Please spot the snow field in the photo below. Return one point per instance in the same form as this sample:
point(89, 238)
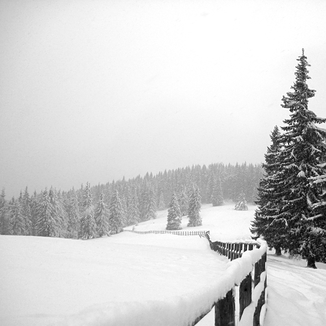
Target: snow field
point(125, 279)
point(135, 279)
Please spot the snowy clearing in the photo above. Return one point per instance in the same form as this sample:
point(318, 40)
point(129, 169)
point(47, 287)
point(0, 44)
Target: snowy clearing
point(152, 279)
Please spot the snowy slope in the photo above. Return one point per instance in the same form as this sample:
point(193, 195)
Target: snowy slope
point(46, 279)
point(136, 279)
point(296, 295)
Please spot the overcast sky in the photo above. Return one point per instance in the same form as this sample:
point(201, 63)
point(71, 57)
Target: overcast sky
point(97, 90)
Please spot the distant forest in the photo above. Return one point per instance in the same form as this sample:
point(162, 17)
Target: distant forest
point(106, 208)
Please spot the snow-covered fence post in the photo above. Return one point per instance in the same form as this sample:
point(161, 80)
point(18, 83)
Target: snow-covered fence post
point(245, 293)
point(225, 310)
point(259, 269)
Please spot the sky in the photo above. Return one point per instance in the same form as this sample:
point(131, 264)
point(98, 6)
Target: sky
point(91, 91)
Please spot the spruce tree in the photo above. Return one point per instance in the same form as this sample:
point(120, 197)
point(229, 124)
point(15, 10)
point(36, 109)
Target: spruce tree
point(174, 214)
point(265, 224)
point(5, 227)
point(194, 207)
point(183, 202)
point(302, 172)
point(47, 224)
point(133, 214)
point(102, 217)
point(87, 222)
point(17, 220)
point(73, 215)
point(116, 213)
point(217, 193)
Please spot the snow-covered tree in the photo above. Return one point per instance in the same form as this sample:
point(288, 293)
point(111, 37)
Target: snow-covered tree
point(183, 202)
point(17, 220)
point(47, 224)
point(302, 172)
point(174, 214)
point(116, 213)
point(87, 222)
point(148, 204)
point(241, 205)
point(73, 215)
point(26, 212)
point(217, 193)
point(194, 207)
point(102, 217)
point(5, 227)
point(133, 214)
point(265, 224)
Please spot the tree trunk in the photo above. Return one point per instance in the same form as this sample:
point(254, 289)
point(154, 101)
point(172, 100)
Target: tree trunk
point(311, 262)
point(278, 251)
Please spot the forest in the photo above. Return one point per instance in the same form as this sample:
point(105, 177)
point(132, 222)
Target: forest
point(105, 209)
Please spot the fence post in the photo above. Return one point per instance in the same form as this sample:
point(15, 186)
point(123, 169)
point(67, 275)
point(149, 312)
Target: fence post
point(225, 310)
point(245, 292)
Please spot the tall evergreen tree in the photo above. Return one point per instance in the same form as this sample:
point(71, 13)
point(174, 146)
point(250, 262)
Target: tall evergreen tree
point(87, 222)
point(217, 193)
point(183, 202)
point(301, 172)
point(102, 217)
point(174, 214)
point(73, 215)
point(26, 212)
point(5, 227)
point(266, 223)
point(47, 224)
point(194, 207)
point(116, 213)
point(133, 214)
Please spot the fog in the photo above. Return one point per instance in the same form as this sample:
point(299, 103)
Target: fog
point(91, 91)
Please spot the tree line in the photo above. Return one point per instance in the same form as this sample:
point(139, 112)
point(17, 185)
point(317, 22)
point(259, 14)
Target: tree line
point(291, 213)
point(104, 209)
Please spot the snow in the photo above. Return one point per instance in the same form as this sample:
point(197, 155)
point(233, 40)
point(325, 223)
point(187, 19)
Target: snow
point(296, 294)
point(149, 279)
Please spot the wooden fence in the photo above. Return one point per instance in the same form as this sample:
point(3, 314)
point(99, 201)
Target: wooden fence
point(201, 233)
point(244, 303)
point(251, 292)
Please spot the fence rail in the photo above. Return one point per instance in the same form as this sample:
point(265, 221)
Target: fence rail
point(202, 233)
point(250, 293)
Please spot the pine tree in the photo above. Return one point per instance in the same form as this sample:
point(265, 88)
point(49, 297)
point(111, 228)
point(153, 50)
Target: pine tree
point(241, 205)
point(5, 227)
point(194, 208)
point(217, 194)
point(133, 214)
point(301, 172)
point(148, 204)
point(102, 217)
point(174, 214)
point(183, 202)
point(17, 220)
point(116, 213)
point(73, 215)
point(26, 212)
point(47, 224)
point(87, 222)
point(265, 224)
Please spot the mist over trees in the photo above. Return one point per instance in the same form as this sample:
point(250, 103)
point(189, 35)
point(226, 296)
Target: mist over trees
point(291, 212)
point(103, 209)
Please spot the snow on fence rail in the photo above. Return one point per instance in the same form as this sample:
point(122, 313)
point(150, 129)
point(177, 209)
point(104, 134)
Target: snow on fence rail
point(245, 302)
point(184, 233)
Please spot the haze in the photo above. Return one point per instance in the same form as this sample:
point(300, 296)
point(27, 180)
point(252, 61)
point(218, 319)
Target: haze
point(91, 91)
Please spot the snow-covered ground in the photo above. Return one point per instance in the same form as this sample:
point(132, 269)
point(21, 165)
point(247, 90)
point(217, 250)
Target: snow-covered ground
point(138, 279)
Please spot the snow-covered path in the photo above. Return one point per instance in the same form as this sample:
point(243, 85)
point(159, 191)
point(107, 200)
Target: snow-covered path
point(296, 294)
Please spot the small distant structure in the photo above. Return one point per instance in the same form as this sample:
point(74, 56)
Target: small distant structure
point(241, 205)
